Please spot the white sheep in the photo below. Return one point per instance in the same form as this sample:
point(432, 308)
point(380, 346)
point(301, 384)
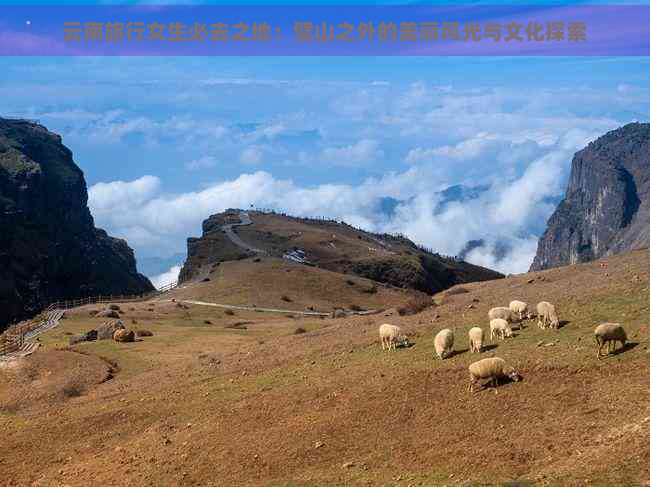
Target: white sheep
point(608, 334)
point(520, 308)
point(500, 328)
point(493, 368)
point(547, 316)
point(444, 343)
point(501, 312)
point(475, 339)
point(390, 336)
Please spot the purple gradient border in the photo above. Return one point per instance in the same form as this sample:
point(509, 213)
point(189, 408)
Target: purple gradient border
point(612, 30)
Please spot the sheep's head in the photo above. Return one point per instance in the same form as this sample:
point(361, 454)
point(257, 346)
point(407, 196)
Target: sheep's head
point(530, 315)
point(403, 340)
point(511, 373)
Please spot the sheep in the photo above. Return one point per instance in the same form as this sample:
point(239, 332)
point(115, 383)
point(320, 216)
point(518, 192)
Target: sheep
point(501, 312)
point(443, 343)
point(546, 315)
point(475, 339)
point(493, 368)
point(390, 335)
point(500, 328)
point(520, 308)
point(608, 334)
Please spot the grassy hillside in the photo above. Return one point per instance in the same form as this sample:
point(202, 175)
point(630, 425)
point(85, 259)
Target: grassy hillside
point(334, 246)
point(244, 400)
point(278, 283)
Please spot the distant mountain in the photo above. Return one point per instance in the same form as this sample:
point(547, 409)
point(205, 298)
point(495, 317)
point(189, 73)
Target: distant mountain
point(458, 193)
point(606, 209)
point(154, 266)
point(49, 247)
point(330, 245)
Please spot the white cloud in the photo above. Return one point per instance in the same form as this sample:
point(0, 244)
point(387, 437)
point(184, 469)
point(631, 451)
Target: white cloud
point(251, 155)
point(166, 277)
point(105, 196)
point(358, 154)
point(205, 162)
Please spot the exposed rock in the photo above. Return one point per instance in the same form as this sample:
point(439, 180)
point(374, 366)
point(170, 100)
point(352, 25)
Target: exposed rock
point(124, 336)
point(49, 247)
point(108, 313)
point(606, 209)
point(107, 330)
point(339, 313)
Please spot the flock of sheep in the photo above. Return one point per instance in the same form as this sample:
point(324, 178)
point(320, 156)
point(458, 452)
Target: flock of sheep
point(493, 369)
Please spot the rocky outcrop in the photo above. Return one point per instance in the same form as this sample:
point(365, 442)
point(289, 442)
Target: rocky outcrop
point(49, 247)
point(606, 209)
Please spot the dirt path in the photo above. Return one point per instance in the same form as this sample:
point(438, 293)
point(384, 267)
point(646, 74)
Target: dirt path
point(251, 308)
point(245, 219)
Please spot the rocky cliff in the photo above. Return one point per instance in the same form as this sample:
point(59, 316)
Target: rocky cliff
point(49, 246)
point(606, 209)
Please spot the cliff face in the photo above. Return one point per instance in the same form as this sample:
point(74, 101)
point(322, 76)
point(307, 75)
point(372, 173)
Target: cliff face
point(606, 209)
point(49, 246)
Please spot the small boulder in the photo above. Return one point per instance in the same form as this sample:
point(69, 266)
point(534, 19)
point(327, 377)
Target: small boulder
point(338, 313)
point(143, 333)
point(124, 336)
point(108, 313)
point(107, 330)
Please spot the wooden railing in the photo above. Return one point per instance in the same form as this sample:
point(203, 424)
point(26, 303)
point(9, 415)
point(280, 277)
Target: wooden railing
point(14, 337)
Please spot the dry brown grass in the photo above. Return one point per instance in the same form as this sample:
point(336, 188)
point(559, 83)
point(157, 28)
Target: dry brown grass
point(415, 305)
point(175, 414)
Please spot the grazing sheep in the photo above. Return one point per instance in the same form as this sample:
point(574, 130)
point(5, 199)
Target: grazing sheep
point(500, 328)
point(520, 308)
point(608, 334)
point(503, 313)
point(475, 339)
point(444, 343)
point(493, 368)
point(546, 315)
point(390, 335)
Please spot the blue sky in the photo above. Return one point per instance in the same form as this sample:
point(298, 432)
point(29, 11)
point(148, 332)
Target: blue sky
point(164, 142)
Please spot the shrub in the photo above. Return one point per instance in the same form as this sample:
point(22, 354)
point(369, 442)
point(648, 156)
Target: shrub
point(143, 333)
point(356, 307)
point(371, 290)
point(229, 312)
point(350, 282)
point(285, 298)
point(207, 322)
point(299, 330)
point(415, 305)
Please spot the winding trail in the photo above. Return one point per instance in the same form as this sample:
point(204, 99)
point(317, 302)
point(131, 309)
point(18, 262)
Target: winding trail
point(255, 308)
point(29, 346)
point(244, 219)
